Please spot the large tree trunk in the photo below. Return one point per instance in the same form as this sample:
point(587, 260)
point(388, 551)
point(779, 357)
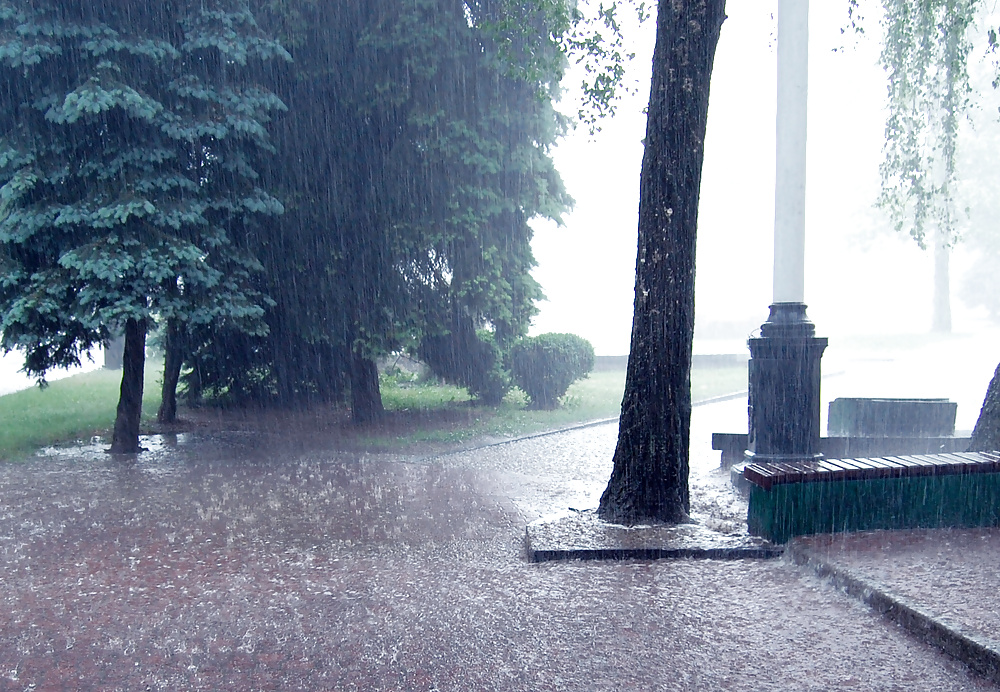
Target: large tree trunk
point(366, 398)
point(650, 477)
point(986, 435)
point(172, 360)
point(126, 432)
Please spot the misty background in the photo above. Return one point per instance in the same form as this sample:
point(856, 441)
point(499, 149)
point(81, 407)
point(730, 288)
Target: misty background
point(868, 287)
point(587, 267)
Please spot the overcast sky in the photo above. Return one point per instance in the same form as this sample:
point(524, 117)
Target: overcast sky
point(861, 277)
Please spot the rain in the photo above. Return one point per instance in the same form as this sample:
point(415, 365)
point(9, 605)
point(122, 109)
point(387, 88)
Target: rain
point(359, 210)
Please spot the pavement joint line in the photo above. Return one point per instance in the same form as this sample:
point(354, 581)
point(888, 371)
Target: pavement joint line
point(981, 654)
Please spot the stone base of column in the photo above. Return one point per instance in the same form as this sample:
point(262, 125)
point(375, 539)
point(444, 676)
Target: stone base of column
point(784, 373)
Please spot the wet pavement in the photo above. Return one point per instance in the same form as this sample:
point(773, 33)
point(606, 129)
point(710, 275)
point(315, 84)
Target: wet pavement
point(255, 561)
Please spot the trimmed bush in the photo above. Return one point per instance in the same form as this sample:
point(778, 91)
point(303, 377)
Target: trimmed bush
point(545, 366)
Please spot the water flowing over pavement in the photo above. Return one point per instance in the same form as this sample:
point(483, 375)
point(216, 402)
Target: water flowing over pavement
point(254, 562)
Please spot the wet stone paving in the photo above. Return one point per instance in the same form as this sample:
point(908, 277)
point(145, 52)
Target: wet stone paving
point(242, 562)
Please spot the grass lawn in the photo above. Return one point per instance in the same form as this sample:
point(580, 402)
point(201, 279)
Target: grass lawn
point(599, 396)
point(82, 407)
point(75, 408)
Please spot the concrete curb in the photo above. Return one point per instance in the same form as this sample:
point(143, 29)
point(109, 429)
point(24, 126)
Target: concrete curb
point(582, 535)
point(561, 555)
point(722, 397)
point(982, 654)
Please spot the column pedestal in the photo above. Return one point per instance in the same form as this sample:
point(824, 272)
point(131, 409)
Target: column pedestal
point(784, 372)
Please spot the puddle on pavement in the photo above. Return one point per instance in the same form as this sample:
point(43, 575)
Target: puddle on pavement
point(259, 486)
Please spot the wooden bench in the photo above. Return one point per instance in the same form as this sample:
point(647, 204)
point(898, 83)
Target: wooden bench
point(893, 492)
point(733, 446)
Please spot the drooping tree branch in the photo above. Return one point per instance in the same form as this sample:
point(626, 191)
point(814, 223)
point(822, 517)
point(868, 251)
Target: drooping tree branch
point(925, 52)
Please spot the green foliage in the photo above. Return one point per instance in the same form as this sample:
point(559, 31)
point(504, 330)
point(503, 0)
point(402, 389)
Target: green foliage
point(925, 54)
point(470, 358)
point(603, 56)
point(545, 366)
point(130, 138)
point(414, 155)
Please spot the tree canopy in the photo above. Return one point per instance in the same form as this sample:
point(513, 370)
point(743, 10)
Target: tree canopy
point(414, 154)
point(130, 137)
point(146, 181)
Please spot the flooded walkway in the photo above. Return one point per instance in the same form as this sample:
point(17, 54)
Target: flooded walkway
point(241, 562)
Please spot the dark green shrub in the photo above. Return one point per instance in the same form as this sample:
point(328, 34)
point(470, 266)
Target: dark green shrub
point(468, 358)
point(545, 366)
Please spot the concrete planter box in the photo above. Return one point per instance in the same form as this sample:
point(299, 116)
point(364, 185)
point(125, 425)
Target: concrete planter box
point(891, 418)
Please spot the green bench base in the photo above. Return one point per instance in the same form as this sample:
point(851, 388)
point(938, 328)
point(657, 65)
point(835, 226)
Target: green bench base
point(928, 497)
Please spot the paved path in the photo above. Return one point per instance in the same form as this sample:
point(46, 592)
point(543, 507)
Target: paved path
point(242, 562)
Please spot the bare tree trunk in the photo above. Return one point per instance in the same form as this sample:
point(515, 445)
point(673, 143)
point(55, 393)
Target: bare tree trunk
point(986, 435)
point(366, 398)
point(172, 360)
point(941, 317)
point(126, 432)
point(650, 476)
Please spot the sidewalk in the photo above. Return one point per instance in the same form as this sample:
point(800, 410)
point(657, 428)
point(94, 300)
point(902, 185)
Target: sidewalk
point(941, 585)
point(253, 562)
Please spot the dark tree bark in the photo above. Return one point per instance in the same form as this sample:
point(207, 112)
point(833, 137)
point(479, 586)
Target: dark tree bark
point(172, 360)
point(650, 477)
point(366, 398)
point(126, 432)
point(986, 435)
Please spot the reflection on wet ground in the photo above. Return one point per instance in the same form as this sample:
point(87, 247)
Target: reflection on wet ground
point(239, 561)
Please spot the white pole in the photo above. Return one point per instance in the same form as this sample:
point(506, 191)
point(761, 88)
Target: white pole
point(790, 173)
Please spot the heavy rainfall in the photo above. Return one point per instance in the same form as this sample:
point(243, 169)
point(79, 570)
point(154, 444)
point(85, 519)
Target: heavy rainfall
point(326, 331)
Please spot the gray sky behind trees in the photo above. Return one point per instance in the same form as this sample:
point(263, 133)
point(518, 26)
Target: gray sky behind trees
point(856, 265)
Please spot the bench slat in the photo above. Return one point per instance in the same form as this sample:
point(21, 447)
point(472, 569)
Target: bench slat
point(848, 471)
point(984, 461)
point(879, 468)
point(945, 464)
point(759, 475)
point(995, 456)
point(768, 474)
point(967, 465)
point(914, 466)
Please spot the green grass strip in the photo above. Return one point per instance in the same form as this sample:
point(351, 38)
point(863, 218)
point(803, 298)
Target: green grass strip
point(82, 407)
point(75, 408)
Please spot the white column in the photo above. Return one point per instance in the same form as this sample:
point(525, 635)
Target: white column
point(790, 173)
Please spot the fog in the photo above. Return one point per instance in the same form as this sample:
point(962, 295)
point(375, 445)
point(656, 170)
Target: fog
point(862, 278)
point(868, 288)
